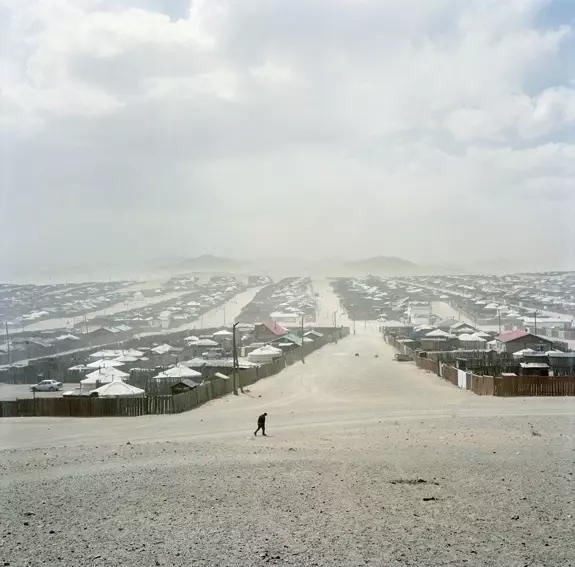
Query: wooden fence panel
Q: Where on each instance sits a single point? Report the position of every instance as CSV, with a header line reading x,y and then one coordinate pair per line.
x,y
535,386
481,385
159,404
9,408
185,401
449,373
247,377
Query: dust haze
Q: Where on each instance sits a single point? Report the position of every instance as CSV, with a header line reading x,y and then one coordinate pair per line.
x,y
143,134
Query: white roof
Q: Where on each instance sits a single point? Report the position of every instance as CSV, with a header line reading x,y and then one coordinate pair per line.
x,y
438,333
223,333
69,337
133,352
125,358
474,337
560,354
482,334
525,351
191,338
465,337
104,363
205,342
179,371
533,365
118,388
104,375
162,349
106,354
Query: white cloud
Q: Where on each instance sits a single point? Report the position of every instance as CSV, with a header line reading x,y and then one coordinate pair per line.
x,y
385,115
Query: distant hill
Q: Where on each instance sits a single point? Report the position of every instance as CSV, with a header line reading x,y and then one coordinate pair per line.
x,y
377,266
210,263
394,266
384,265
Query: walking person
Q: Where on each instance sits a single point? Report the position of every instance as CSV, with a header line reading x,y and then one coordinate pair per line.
x,y
261,424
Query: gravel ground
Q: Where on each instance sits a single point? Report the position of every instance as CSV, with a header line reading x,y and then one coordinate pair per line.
x,y
367,462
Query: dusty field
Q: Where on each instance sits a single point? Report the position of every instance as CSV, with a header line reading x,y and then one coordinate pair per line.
x,y
367,462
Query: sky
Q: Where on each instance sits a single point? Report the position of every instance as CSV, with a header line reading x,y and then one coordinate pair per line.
x,y
436,130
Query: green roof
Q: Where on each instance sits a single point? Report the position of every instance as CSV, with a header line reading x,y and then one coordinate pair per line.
x,y
289,337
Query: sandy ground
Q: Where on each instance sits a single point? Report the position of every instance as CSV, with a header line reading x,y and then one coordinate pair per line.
x,y
367,462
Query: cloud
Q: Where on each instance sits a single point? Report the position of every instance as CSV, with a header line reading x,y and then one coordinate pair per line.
x,y
288,128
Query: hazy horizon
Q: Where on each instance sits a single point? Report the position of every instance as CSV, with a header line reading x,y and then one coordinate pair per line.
x,y
440,132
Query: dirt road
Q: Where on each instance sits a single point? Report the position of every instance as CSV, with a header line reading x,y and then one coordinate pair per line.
x,y
367,462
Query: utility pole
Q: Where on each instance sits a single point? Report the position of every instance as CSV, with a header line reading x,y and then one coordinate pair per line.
x,y
499,318
302,343
235,370
335,333
534,317
8,345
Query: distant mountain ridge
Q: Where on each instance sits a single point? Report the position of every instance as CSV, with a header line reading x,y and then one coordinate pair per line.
x,y
385,265
210,263
376,265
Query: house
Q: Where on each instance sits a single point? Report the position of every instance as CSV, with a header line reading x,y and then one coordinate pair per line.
x,y
446,324
461,328
313,335
266,332
288,338
513,341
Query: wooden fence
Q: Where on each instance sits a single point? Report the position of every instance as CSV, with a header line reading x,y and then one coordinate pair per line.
x,y
427,364
494,386
85,407
535,386
480,385
152,404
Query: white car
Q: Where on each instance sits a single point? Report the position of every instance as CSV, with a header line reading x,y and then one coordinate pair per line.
x,y
46,386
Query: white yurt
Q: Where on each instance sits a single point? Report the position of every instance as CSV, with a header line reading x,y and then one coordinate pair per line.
x,y
106,354
264,355
223,334
118,389
104,363
103,376
162,349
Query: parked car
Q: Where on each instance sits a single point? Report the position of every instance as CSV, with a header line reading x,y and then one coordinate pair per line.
x,y
46,386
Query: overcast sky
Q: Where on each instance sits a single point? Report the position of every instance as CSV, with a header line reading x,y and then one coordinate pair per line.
x,y
434,130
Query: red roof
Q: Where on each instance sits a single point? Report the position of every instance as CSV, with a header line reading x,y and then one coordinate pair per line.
x,y
275,328
512,335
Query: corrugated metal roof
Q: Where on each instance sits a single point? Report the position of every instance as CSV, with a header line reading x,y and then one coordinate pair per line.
x,y
512,335
275,328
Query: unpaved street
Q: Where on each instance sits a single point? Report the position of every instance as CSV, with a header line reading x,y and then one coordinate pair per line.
x,y
367,462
